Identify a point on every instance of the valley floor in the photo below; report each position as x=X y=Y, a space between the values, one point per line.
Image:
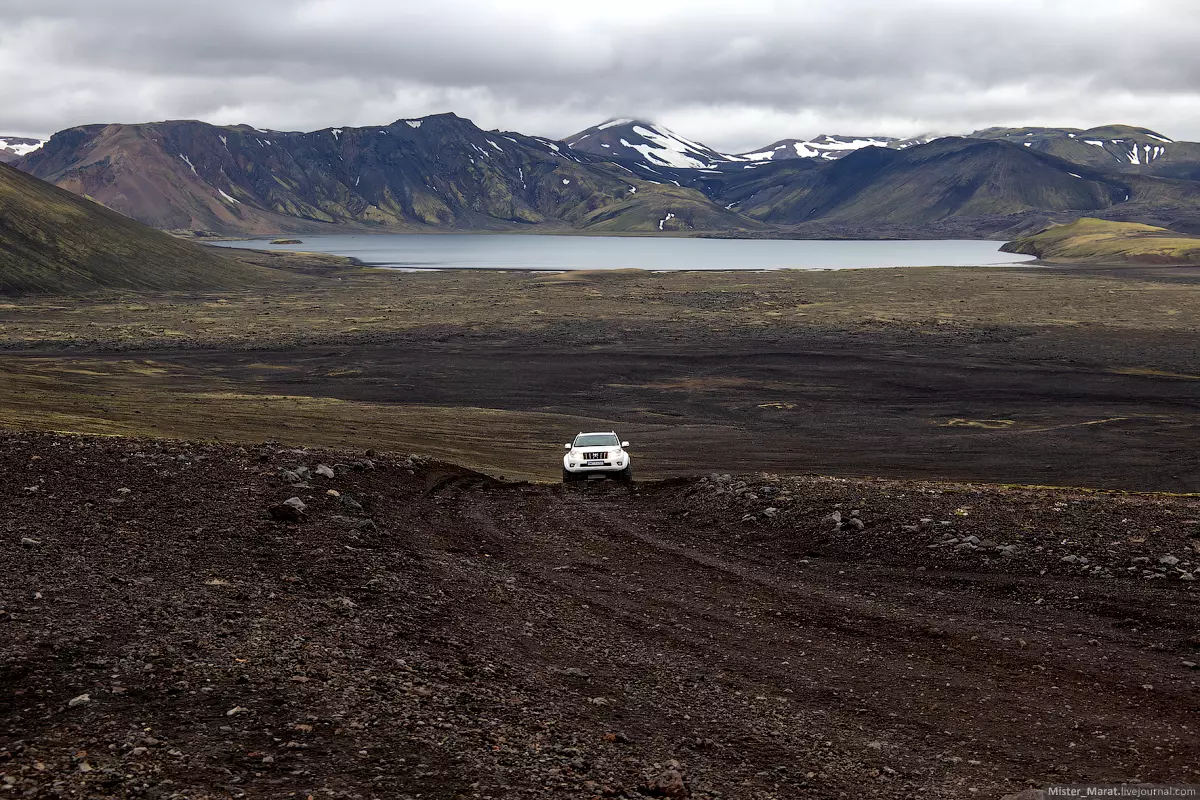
x=427 y=631
x=1037 y=376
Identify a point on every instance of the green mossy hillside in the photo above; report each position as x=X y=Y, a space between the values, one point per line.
x=52 y=241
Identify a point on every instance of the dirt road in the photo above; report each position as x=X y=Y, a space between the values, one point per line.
x=430 y=632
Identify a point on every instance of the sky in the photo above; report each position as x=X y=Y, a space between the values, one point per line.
x=734 y=74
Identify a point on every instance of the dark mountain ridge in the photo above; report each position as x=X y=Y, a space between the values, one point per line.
x=624 y=176
x=438 y=172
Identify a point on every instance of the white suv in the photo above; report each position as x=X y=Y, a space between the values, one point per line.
x=597 y=454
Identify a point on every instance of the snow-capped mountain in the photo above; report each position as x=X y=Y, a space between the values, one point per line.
x=828 y=147
x=1124 y=147
x=648 y=147
x=647 y=144
x=824 y=146
x=13 y=147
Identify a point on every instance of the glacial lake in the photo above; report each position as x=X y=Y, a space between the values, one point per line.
x=554 y=253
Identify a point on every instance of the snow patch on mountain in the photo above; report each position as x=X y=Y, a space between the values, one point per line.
x=19 y=146
x=826 y=146
x=664 y=150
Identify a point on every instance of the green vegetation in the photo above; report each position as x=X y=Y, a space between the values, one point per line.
x=52 y=241
x=1099 y=241
x=372 y=305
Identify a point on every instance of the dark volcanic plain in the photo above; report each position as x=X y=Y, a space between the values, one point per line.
x=1081 y=377
x=879 y=593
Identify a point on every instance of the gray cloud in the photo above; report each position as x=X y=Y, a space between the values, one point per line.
x=733 y=75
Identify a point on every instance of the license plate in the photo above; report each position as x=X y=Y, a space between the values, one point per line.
x=594 y=464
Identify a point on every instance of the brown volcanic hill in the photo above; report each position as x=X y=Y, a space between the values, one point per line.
x=54 y=241
x=437 y=172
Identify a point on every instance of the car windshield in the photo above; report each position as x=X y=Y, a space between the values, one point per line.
x=596 y=440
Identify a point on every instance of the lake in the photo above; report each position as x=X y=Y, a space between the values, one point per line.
x=537 y=252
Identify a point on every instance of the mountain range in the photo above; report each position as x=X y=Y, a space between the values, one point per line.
x=623 y=176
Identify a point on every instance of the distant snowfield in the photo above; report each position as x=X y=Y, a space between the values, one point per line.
x=13 y=145
x=829 y=148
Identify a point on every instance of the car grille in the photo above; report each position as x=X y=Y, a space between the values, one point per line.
x=595 y=456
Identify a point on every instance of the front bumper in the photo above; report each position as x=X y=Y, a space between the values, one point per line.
x=609 y=466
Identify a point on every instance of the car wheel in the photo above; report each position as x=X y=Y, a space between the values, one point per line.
x=568 y=477
x=626 y=475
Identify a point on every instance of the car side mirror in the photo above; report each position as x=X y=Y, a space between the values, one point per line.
x=567 y=446
x=624 y=444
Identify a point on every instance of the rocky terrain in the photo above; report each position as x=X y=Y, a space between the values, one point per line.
x=187 y=619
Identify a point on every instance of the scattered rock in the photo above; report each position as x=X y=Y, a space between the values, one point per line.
x=27 y=542
x=81 y=700
x=303 y=473
x=1168 y=560
x=573 y=672
x=290 y=510
x=668 y=783
x=325 y=471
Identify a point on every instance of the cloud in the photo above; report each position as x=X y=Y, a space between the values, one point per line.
x=733 y=75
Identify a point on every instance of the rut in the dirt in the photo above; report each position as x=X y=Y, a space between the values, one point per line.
x=427 y=631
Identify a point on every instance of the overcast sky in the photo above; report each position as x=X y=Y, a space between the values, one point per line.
x=735 y=74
